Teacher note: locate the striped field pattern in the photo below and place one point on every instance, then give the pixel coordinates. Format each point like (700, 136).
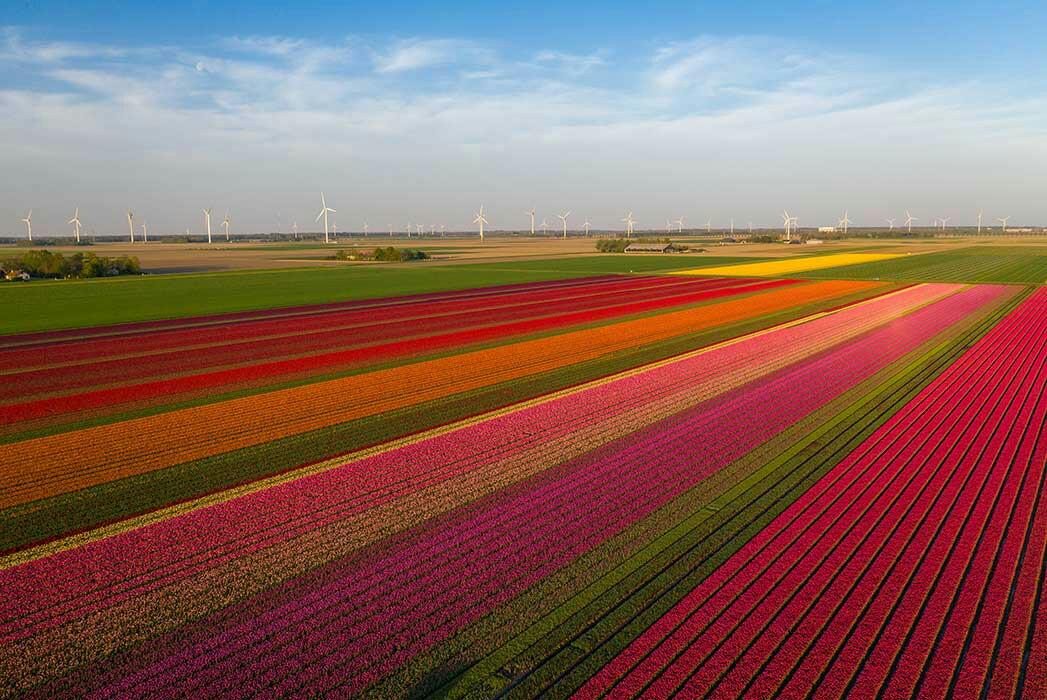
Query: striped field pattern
(745, 487)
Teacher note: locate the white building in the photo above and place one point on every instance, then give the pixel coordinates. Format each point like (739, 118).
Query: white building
(826, 229)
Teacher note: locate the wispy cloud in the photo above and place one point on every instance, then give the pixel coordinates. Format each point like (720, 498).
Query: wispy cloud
(268, 117)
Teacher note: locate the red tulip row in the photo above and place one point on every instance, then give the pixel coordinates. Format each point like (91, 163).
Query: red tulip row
(137, 329)
(203, 336)
(906, 571)
(166, 389)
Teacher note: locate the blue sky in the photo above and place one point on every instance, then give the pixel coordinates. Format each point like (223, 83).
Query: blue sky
(416, 112)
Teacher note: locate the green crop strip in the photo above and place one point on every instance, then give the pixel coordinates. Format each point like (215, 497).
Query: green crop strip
(998, 264)
(572, 636)
(34, 522)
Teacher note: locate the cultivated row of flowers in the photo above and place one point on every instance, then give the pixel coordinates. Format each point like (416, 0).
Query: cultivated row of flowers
(912, 569)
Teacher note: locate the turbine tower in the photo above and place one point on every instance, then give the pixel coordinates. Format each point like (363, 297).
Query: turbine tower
(365, 229)
(679, 225)
(545, 227)
(323, 213)
(909, 218)
(145, 233)
(890, 222)
(532, 221)
(979, 222)
(225, 225)
(944, 220)
(1004, 222)
(563, 219)
(294, 227)
(75, 221)
(708, 225)
(28, 221)
(441, 230)
(480, 220)
(668, 226)
(845, 222)
(629, 223)
(586, 226)
(131, 224)
(207, 222)
(788, 225)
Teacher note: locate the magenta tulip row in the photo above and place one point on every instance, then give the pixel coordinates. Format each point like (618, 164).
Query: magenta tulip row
(906, 570)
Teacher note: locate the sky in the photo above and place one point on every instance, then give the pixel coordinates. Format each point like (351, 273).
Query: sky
(410, 112)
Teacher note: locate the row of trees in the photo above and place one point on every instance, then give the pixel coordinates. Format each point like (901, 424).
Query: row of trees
(44, 263)
(389, 254)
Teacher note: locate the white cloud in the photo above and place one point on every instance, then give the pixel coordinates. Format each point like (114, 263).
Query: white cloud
(427, 126)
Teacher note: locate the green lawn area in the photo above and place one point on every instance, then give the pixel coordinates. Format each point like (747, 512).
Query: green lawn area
(46, 305)
(997, 264)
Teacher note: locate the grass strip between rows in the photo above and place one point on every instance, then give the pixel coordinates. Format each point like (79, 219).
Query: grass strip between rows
(628, 582)
(33, 523)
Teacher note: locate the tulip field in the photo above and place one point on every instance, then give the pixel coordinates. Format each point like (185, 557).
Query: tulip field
(644, 485)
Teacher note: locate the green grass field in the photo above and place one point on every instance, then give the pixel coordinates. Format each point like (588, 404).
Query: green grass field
(47, 305)
(984, 264)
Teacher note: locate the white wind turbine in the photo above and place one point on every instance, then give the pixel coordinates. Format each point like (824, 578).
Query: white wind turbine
(545, 227)
(788, 225)
(1004, 221)
(324, 211)
(979, 222)
(890, 222)
(294, 227)
(390, 230)
(532, 221)
(587, 226)
(480, 220)
(563, 219)
(207, 222)
(421, 230)
(708, 225)
(365, 229)
(408, 230)
(28, 221)
(441, 230)
(668, 226)
(75, 221)
(432, 229)
(131, 224)
(909, 218)
(629, 223)
(845, 222)
(944, 220)
(679, 225)
(145, 232)
(732, 227)
(225, 225)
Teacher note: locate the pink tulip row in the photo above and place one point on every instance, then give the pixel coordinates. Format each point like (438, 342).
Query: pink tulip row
(893, 573)
(367, 613)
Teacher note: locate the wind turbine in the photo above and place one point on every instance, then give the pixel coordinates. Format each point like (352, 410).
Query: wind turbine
(532, 221)
(324, 212)
(294, 227)
(944, 220)
(629, 222)
(909, 218)
(207, 221)
(732, 227)
(145, 232)
(979, 222)
(788, 225)
(1004, 222)
(480, 220)
(421, 230)
(545, 227)
(408, 230)
(28, 220)
(365, 229)
(750, 229)
(563, 219)
(225, 225)
(586, 225)
(130, 224)
(890, 222)
(441, 230)
(390, 230)
(845, 222)
(668, 226)
(708, 225)
(432, 229)
(679, 225)
(75, 221)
